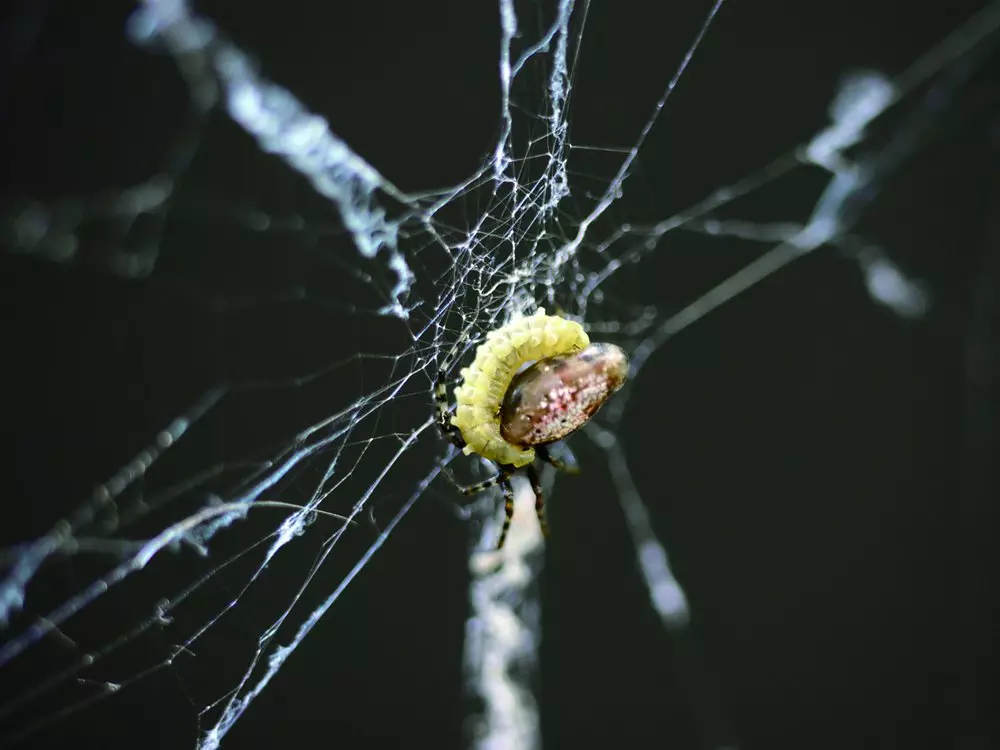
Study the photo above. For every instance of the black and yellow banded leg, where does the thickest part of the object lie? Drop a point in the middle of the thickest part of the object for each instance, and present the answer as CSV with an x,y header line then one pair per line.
x,y
508,509
475,489
441,401
444,413
536,487
567,464
501,478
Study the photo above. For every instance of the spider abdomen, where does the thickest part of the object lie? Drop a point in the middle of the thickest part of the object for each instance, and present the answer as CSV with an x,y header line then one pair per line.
x,y
557,395
487,380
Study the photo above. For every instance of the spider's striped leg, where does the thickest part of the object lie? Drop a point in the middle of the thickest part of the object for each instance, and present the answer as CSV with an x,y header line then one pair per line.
x,y
567,463
508,508
474,489
536,487
444,412
502,478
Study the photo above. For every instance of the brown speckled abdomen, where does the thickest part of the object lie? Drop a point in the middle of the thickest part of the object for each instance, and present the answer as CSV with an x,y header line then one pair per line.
x,y
556,396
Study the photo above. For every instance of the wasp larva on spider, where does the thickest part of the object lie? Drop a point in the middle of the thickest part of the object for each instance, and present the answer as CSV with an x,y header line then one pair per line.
x,y
534,381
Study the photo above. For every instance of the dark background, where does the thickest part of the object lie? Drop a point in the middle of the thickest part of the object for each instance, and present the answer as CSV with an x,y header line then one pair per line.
x,y
820,470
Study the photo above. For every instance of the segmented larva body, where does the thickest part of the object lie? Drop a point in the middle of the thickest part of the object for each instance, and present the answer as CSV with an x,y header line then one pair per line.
x,y
486,380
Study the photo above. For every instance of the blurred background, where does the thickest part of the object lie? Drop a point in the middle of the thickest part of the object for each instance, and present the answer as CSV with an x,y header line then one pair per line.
x,y
822,471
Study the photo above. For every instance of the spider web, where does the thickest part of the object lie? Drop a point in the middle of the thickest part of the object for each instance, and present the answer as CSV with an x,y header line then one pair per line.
x,y
293,302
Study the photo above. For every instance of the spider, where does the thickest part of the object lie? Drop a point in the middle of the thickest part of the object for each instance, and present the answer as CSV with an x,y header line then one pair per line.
x,y
534,382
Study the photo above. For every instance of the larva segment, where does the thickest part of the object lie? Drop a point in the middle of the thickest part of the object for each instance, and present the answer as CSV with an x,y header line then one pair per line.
x,y
486,380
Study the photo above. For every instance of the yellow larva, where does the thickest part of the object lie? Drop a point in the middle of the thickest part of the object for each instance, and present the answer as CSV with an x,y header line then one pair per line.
x,y
486,380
